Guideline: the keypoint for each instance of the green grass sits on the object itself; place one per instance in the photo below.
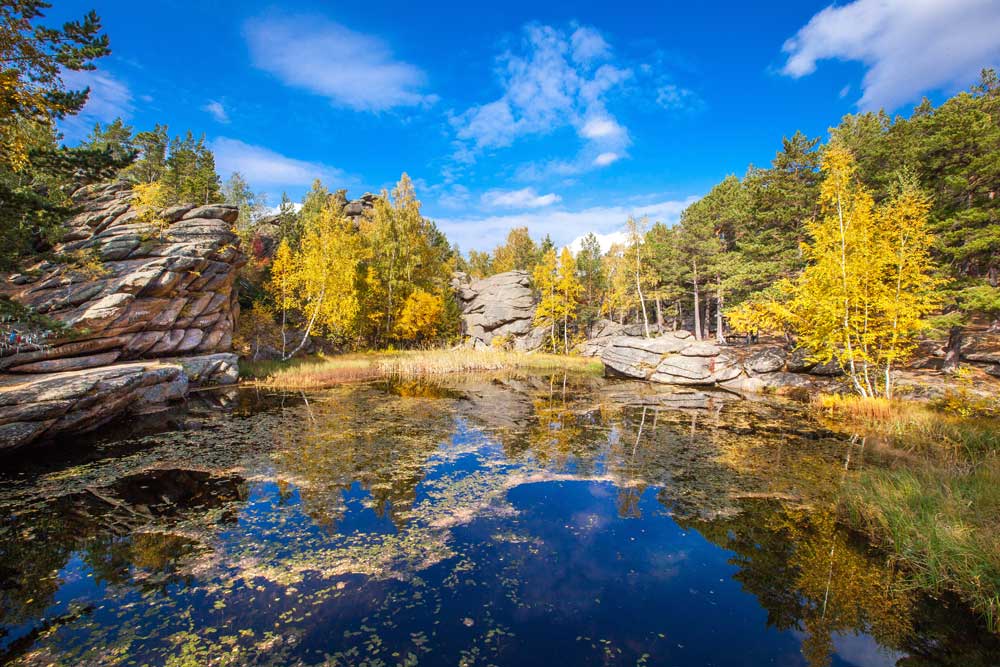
(936, 511)
(941, 523)
(329, 371)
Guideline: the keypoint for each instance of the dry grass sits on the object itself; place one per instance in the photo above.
(329, 371)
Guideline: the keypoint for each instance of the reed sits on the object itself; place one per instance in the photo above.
(411, 364)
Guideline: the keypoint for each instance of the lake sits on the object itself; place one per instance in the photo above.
(538, 520)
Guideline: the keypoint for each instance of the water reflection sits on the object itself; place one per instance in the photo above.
(534, 520)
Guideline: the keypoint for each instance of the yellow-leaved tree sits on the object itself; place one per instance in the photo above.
(545, 276)
(324, 273)
(422, 316)
(560, 288)
(404, 252)
(868, 284)
(569, 288)
(280, 284)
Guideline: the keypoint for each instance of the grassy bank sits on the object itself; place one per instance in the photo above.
(410, 364)
(937, 510)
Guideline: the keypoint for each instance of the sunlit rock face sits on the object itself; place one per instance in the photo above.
(156, 293)
(137, 291)
(677, 358)
(499, 310)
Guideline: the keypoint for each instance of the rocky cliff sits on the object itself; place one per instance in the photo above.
(499, 311)
(135, 290)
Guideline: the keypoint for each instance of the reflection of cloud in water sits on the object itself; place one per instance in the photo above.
(864, 651)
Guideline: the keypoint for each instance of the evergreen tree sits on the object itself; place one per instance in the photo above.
(589, 266)
(114, 138)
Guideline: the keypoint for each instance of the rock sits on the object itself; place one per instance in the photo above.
(160, 293)
(68, 363)
(629, 356)
(768, 360)
(500, 307)
(226, 213)
(164, 293)
(798, 361)
(676, 359)
(828, 369)
(701, 349)
(47, 406)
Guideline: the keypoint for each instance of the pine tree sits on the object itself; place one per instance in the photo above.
(591, 270)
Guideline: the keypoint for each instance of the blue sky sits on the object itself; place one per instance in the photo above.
(566, 117)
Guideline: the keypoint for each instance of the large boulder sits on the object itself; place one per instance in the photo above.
(499, 309)
(676, 358)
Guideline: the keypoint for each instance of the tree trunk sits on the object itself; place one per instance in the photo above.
(697, 303)
(953, 350)
(659, 314)
(565, 334)
(720, 337)
(706, 327)
(312, 320)
(642, 302)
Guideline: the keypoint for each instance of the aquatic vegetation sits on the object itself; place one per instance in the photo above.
(496, 521)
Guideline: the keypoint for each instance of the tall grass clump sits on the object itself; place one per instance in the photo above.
(937, 512)
(941, 524)
(411, 364)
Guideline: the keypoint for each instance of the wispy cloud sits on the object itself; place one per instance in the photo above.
(217, 111)
(908, 47)
(553, 79)
(109, 98)
(677, 98)
(523, 198)
(351, 69)
(563, 226)
(264, 168)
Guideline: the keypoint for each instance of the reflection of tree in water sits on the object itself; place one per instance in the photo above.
(357, 434)
(122, 531)
(811, 575)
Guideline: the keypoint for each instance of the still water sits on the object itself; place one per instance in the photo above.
(526, 521)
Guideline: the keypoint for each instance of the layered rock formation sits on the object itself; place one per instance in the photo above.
(34, 407)
(499, 311)
(157, 293)
(142, 287)
(676, 358)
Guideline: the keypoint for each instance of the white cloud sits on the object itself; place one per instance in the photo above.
(604, 159)
(109, 98)
(908, 47)
(601, 128)
(275, 210)
(351, 69)
(264, 168)
(554, 80)
(588, 45)
(217, 111)
(523, 198)
(604, 240)
(563, 226)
